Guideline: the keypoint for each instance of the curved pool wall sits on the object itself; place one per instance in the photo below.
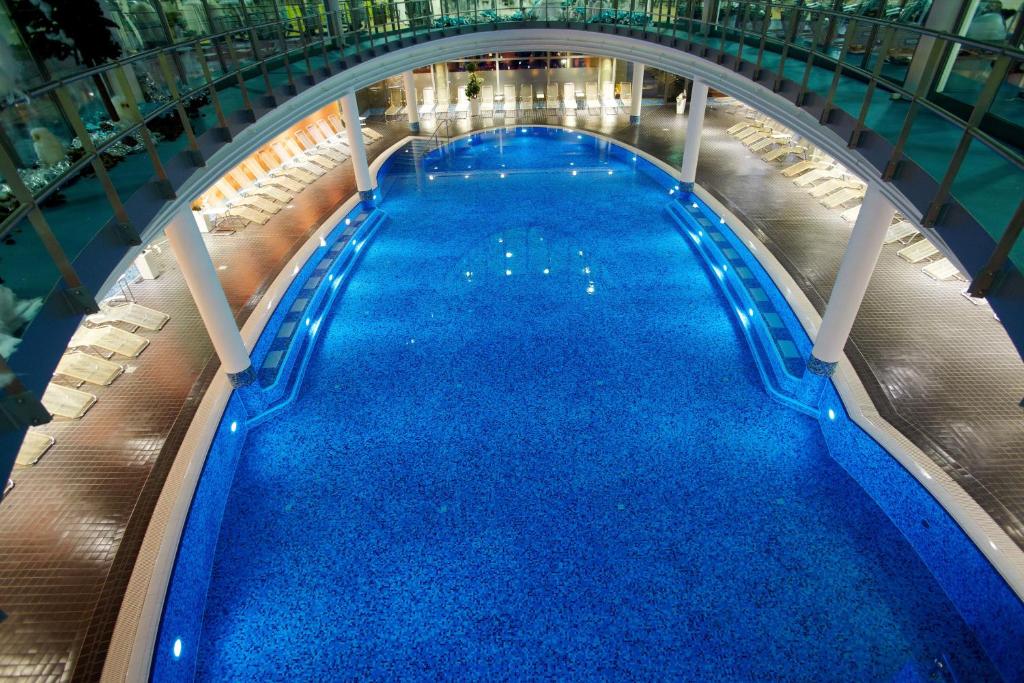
(985, 602)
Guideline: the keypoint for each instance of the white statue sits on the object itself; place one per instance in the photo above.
(49, 149)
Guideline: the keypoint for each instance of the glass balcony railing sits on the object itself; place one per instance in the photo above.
(87, 158)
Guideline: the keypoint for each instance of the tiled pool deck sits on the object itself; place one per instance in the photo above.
(938, 367)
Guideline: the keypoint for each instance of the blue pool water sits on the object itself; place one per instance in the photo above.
(531, 442)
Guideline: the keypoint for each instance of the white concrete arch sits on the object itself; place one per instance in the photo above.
(378, 68)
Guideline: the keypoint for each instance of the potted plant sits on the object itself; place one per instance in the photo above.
(473, 89)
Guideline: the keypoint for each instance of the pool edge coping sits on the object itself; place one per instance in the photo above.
(139, 618)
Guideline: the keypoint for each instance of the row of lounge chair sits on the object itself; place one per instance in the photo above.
(554, 100)
(265, 183)
(90, 360)
(835, 188)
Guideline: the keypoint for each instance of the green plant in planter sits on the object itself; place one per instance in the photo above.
(473, 85)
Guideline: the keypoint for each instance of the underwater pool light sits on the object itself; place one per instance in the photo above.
(671, 191)
(750, 312)
(508, 254)
(234, 428)
(430, 177)
(831, 414)
(694, 205)
(547, 271)
(177, 648)
(502, 175)
(348, 221)
(610, 172)
(722, 221)
(574, 172)
(323, 242)
(508, 271)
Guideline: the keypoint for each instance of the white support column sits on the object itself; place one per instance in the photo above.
(353, 129)
(858, 263)
(694, 129)
(637, 93)
(201, 278)
(411, 105)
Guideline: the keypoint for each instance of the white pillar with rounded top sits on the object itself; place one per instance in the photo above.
(411, 106)
(636, 93)
(353, 129)
(694, 129)
(201, 278)
(862, 251)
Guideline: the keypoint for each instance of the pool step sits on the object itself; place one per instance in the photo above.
(779, 346)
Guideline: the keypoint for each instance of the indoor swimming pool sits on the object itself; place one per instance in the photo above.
(530, 439)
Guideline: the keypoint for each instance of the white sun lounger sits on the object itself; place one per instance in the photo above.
(427, 108)
(800, 167)
(250, 187)
(827, 187)
(754, 135)
(248, 213)
(844, 195)
(341, 138)
(748, 129)
(551, 98)
(921, 250)
(608, 101)
(33, 448)
(265, 179)
(318, 150)
(943, 269)
(781, 151)
(336, 139)
(487, 101)
(773, 139)
(130, 313)
(462, 104)
(64, 402)
(737, 127)
(306, 158)
(569, 97)
(508, 101)
(593, 101)
(286, 168)
(626, 93)
(526, 96)
(817, 175)
(108, 338)
(90, 369)
(850, 215)
(900, 232)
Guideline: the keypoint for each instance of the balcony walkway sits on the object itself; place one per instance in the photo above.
(938, 366)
